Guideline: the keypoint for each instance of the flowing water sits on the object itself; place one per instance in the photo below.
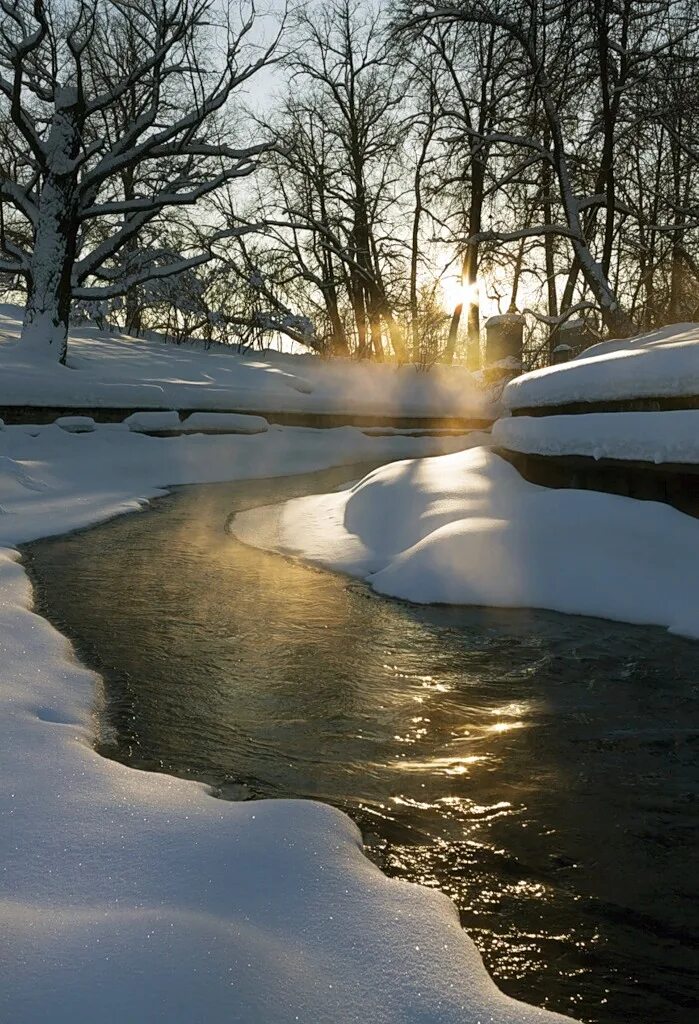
(541, 769)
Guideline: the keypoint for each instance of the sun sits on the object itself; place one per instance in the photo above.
(454, 292)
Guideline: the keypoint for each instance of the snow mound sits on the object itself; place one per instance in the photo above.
(149, 422)
(223, 423)
(465, 528)
(76, 424)
(662, 364)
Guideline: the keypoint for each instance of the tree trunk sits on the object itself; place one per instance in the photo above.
(133, 317)
(133, 312)
(469, 279)
(469, 273)
(453, 332)
(45, 330)
(395, 333)
(549, 255)
(338, 341)
(375, 328)
(615, 320)
(414, 258)
(359, 308)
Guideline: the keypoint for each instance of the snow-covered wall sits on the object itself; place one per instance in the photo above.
(662, 364)
(658, 437)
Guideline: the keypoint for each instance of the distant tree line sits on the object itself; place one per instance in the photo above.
(545, 153)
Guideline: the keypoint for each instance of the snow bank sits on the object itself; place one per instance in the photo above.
(670, 437)
(131, 373)
(224, 423)
(76, 424)
(467, 529)
(85, 478)
(130, 896)
(146, 422)
(664, 363)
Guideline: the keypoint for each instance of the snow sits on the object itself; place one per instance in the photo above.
(76, 424)
(132, 896)
(112, 370)
(465, 528)
(224, 423)
(659, 437)
(503, 319)
(145, 422)
(664, 363)
(89, 477)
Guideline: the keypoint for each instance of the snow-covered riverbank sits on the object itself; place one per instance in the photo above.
(110, 370)
(130, 896)
(467, 529)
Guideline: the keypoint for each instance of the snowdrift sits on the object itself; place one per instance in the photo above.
(465, 528)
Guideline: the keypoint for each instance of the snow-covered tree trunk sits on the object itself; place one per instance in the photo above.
(615, 319)
(45, 330)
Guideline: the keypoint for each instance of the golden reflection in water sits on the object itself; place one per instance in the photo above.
(505, 726)
(485, 812)
(513, 710)
(441, 765)
(519, 954)
(428, 684)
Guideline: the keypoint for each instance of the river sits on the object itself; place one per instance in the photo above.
(541, 769)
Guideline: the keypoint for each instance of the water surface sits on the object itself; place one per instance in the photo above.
(541, 769)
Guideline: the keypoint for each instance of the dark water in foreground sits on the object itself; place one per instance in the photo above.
(540, 769)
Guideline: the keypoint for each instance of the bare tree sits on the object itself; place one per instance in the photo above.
(66, 79)
(346, 115)
(473, 100)
(590, 156)
(525, 24)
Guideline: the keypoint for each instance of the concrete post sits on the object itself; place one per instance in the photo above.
(503, 347)
(561, 354)
(576, 335)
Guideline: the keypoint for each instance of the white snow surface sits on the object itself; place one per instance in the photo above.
(224, 423)
(465, 528)
(143, 422)
(76, 424)
(112, 370)
(664, 363)
(669, 437)
(132, 896)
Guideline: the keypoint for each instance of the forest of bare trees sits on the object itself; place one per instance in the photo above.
(366, 179)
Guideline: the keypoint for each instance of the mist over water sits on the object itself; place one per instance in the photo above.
(540, 769)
